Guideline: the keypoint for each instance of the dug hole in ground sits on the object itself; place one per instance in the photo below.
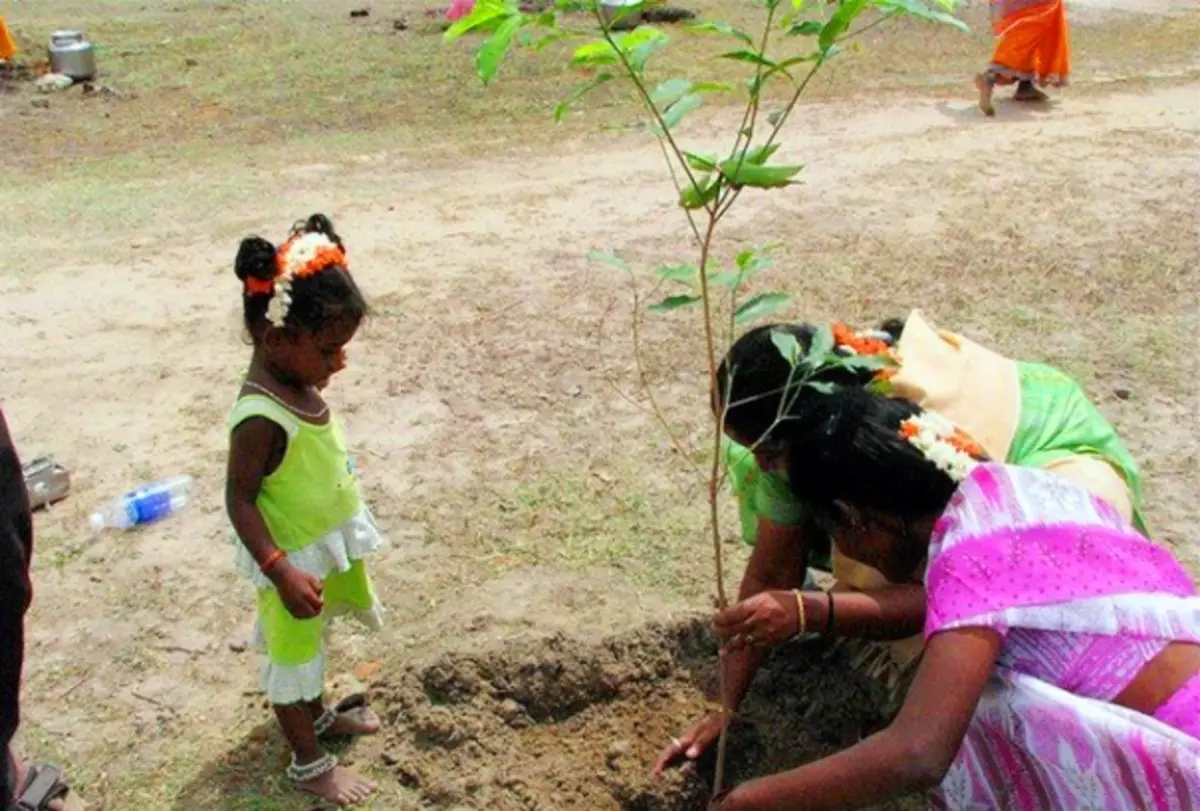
(563, 723)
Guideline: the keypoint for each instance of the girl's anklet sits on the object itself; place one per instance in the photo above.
(311, 771)
(323, 724)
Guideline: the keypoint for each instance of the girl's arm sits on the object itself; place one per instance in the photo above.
(772, 617)
(249, 458)
(913, 753)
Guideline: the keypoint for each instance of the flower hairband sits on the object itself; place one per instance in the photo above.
(870, 344)
(861, 343)
(303, 255)
(943, 443)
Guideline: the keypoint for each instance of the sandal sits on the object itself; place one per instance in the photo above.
(43, 785)
(46, 480)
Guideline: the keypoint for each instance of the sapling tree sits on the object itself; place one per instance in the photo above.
(776, 64)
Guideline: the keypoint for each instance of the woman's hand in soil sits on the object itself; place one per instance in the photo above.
(693, 743)
(767, 619)
(299, 591)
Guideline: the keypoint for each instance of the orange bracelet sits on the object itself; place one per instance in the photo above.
(272, 560)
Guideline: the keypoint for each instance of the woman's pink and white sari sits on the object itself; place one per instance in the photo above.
(1021, 550)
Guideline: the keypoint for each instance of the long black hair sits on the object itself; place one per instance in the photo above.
(846, 448)
(317, 300)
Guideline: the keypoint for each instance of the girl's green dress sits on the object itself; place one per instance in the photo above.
(313, 508)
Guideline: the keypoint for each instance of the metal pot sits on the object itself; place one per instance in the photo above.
(72, 55)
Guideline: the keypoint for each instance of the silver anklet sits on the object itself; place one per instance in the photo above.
(311, 771)
(327, 720)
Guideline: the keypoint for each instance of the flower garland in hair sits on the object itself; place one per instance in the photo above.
(861, 343)
(870, 343)
(304, 254)
(943, 443)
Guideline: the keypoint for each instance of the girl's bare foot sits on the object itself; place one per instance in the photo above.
(335, 784)
(985, 95)
(352, 723)
(340, 786)
(1027, 92)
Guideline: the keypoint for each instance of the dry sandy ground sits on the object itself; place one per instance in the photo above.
(481, 399)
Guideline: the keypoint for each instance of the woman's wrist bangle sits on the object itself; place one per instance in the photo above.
(272, 561)
(828, 613)
(801, 619)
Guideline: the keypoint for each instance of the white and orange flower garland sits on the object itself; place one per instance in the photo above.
(303, 255)
(943, 443)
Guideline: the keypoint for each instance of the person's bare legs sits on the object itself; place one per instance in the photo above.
(339, 785)
(1027, 92)
(985, 85)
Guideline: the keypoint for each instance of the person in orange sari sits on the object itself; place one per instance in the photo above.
(1033, 50)
(8, 48)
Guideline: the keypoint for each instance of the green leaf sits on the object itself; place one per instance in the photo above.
(549, 39)
(821, 386)
(681, 274)
(677, 111)
(486, 15)
(751, 57)
(712, 87)
(915, 8)
(751, 263)
(723, 28)
(760, 154)
(813, 57)
(599, 52)
(641, 52)
(742, 173)
(787, 345)
(760, 306)
(820, 348)
(864, 363)
(725, 278)
(701, 163)
(612, 260)
(808, 28)
(579, 92)
(705, 190)
(675, 302)
(840, 22)
(492, 52)
(670, 91)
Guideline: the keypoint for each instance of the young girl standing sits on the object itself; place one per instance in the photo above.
(292, 495)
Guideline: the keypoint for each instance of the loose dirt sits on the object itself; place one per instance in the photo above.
(565, 724)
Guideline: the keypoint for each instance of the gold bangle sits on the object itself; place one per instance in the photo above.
(801, 620)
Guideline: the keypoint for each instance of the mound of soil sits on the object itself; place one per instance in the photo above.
(560, 724)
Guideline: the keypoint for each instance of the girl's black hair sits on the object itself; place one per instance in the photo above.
(317, 300)
(760, 375)
(846, 448)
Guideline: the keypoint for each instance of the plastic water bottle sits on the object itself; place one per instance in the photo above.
(144, 505)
